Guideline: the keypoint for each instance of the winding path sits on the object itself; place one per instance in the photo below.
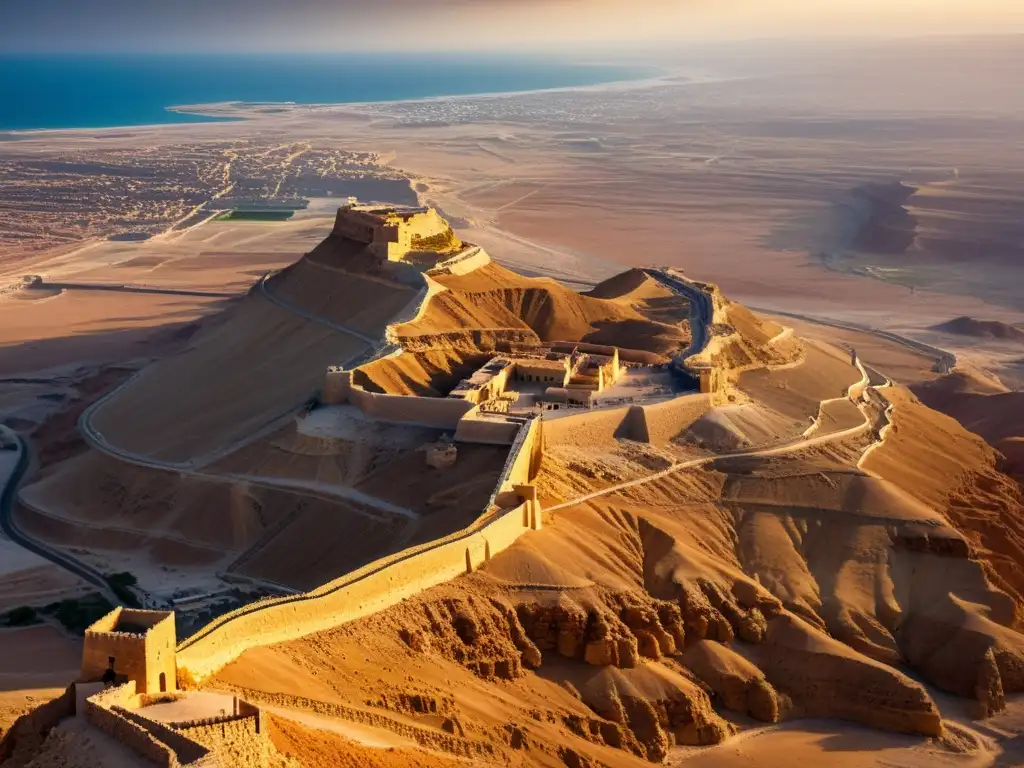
(701, 310)
(945, 361)
(14, 533)
(856, 394)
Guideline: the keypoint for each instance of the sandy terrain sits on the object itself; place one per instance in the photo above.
(36, 664)
(875, 582)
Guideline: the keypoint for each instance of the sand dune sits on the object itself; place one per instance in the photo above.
(984, 329)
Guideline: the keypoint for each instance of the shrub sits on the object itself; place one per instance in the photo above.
(22, 616)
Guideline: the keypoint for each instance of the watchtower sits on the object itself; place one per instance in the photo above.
(129, 644)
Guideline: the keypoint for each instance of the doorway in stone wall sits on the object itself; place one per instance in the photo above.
(163, 682)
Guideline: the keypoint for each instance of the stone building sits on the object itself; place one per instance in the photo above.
(129, 644)
(394, 232)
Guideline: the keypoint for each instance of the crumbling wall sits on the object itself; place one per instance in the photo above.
(428, 738)
(29, 731)
(240, 740)
(108, 712)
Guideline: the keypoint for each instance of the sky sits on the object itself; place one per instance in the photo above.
(341, 25)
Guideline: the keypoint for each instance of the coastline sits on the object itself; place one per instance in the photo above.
(209, 110)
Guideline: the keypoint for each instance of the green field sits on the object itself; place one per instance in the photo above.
(269, 215)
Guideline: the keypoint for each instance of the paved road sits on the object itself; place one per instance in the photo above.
(701, 310)
(15, 534)
(120, 288)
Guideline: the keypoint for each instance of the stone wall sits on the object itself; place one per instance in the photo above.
(469, 260)
(664, 421)
(108, 711)
(368, 590)
(27, 733)
(437, 412)
(589, 427)
(475, 427)
(428, 738)
(147, 658)
(378, 585)
(240, 740)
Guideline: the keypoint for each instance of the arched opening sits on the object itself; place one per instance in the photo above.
(163, 682)
(469, 562)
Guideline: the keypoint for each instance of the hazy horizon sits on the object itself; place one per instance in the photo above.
(54, 26)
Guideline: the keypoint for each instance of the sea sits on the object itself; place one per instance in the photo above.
(102, 91)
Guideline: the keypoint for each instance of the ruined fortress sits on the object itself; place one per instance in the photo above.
(131, 659)
(394, 233)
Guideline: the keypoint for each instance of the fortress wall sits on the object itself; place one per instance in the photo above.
(587, 427)
(239, 740)
(625, 355)
(424, 225)
(476, 429)
(161, 670)
(365, 591)
(187, 751)
(470, 260)
(337, 385)
(132, 735)
(664, 421)
(107, 711)
(477, 338)
(523, 460)
(436, 412)
(354, 225)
